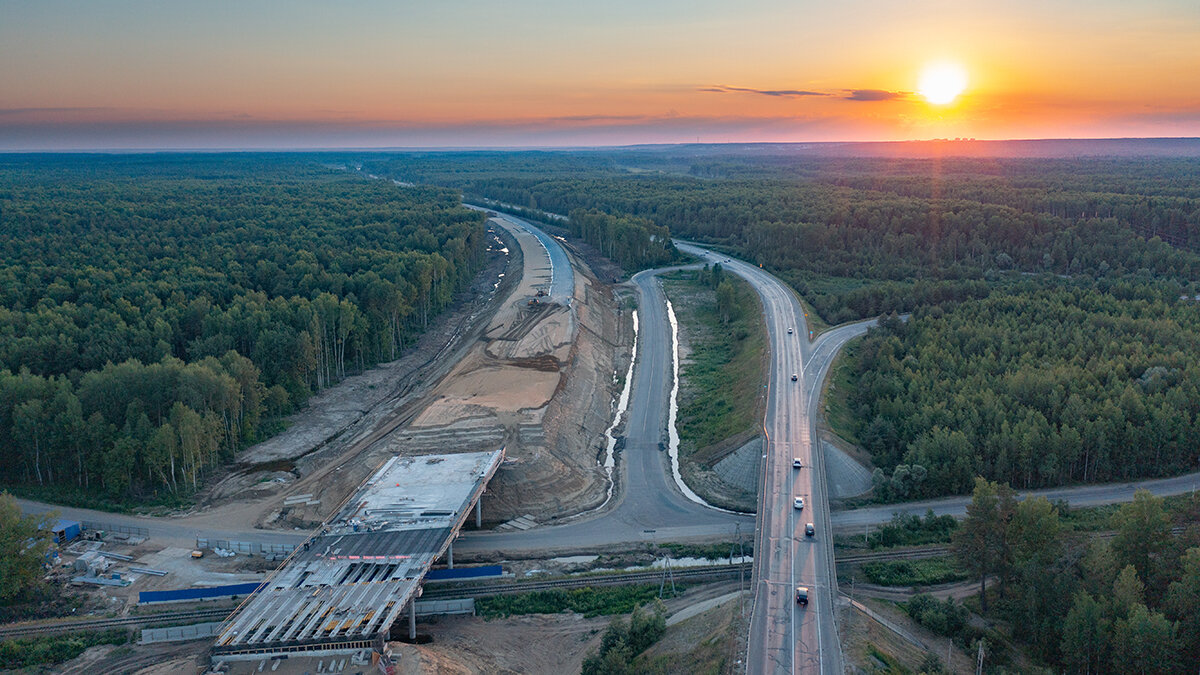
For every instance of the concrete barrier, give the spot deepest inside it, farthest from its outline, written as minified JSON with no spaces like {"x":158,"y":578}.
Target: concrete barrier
{"x":197,"y":631}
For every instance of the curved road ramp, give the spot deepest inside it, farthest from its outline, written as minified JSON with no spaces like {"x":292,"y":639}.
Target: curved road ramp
{"x":342,"y":590}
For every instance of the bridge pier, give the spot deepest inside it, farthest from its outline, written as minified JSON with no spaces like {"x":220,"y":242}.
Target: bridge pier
{"x":450,"y":555}
{"x":479,"y":512}
{"x":412,"y":619}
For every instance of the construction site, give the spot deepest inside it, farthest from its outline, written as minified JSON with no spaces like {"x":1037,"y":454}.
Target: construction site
{"x":343,"y":588}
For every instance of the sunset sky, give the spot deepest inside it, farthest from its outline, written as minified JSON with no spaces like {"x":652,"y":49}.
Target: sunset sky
{"x":249,"y":74}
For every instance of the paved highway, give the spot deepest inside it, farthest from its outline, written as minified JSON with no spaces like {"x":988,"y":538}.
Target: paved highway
{"x":647,"y":505}
{"x":786,"y":637}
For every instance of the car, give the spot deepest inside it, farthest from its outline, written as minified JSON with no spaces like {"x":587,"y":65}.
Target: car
{"x":796,"y":462}
{"x":794,"y":377}
{"x":790,"y":331}
{"x":799,"y":503}
{"x":801,"y":595}
{"x":809,"y":530}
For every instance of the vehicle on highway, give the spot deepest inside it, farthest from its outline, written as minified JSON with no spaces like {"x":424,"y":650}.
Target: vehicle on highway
{"x":790,"y":331}
{"x":799,"y":503}
{"x":794,"y":377}
{"x":796,"y":462}
{"x":809,"y":530}
{"x":801,"y":595}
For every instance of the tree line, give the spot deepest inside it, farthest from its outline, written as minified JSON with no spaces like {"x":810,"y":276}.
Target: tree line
{"x":1088,"y":605}
{"x":156,"y":315}
{"x":1047,"y":384}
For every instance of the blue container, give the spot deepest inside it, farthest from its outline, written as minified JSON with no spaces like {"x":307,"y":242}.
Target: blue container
{"x":66,"y":531}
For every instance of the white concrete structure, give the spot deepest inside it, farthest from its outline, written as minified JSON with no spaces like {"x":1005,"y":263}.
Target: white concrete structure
{"x":343,"y":589}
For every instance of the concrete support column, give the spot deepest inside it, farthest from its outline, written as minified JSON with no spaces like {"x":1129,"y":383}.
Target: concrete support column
{"x":479,"y":512}
{"x":450,"y":555}
{"x":412,"y":619}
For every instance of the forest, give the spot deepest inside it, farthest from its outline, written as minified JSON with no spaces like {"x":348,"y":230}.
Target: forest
{"x":158,"y":313}
{"x":1054,"y":326}
{"x":1124,"y":604}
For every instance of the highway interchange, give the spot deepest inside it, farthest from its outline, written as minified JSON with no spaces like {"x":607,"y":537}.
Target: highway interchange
{"x":786,"y":637}
{"x":647,"y":506}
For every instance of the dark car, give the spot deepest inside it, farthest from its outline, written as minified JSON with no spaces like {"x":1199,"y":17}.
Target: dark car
{"x":809,"y":531}
{"x":794,"y":377}
{"x":801,"y":595}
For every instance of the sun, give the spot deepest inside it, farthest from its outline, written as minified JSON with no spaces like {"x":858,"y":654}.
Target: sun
{"x":941,"y":83}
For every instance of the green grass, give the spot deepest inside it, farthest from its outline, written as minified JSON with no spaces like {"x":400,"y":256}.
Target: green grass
{"x":716,"y":552}
{"x":723,"y":382}
{"x":588,"y":601}
{"x":838,"y":415}
{"x":42,"y":651}
{"x":924,"y":572}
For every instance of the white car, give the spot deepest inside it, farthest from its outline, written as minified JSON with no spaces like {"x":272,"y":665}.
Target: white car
{"x":799,"y":503}
{"x":789,"y":331}
{"x":796,"y":462}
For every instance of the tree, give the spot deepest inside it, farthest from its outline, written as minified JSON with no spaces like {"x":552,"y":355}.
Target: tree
{"x":1128,"y":591}
{"x":1085,"y":636}
{"x":1144,"y":643}
{"x":1181,"y":604}
{"x":1043,"y":583}
{"x":23,"y":543}
{"x":980,"y":542}
{"x":1143,"y":539}
{"x":726,"y":301}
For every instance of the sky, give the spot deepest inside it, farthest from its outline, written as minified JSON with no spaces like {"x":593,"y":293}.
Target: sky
{"x":168,"y":74}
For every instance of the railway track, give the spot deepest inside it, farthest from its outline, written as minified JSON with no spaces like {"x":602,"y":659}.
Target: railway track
{"x":685,"y":574}
{"x":524,"y":586}
{"x":914,"y":554}
{"x":28,"y":630}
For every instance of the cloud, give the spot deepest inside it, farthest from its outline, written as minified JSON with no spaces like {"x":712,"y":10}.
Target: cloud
{"x":873,"y":95}
{"x":845,"y":94}
{"x":783,"y":93}
{"x":12,"y":112}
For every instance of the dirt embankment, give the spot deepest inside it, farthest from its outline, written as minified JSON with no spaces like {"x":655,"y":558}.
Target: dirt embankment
{"x":557,"y":472}
{"x":509,"y":369}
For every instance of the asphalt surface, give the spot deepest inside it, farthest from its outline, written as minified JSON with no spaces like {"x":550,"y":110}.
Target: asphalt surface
{"x":786,"y":637}
{"x":647,"y":505}
{"x":1080,"y":496}
{"x":562,"y":276}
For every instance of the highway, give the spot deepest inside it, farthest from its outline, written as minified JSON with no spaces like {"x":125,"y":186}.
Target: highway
{"x":562,"y":277}
{"x":647,"y":505}
{"x":786,"y":637}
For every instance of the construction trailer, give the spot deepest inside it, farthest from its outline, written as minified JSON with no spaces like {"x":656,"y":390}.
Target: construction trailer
{"x":66,"y":531}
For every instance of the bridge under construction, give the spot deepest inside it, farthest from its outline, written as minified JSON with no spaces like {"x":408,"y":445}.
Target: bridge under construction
{"x":342,"y":590}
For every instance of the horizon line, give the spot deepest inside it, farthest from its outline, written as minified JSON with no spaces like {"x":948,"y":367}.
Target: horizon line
{"x":564,"y":147}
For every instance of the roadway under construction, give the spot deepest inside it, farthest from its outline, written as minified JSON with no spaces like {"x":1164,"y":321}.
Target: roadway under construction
{"x":344,"y":588}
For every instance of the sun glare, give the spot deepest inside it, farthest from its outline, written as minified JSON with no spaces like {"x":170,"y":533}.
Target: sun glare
{"x":941,"y":83}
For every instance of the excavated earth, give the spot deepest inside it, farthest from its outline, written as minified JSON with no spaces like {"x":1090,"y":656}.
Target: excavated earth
{"x":510,"y":370}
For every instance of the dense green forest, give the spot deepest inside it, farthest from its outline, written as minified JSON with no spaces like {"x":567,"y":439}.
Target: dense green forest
{"x":1034,"y":386}
{"x":159,"y":313}
{"x":1049,"y":341}
{"x":1125,"y":604}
